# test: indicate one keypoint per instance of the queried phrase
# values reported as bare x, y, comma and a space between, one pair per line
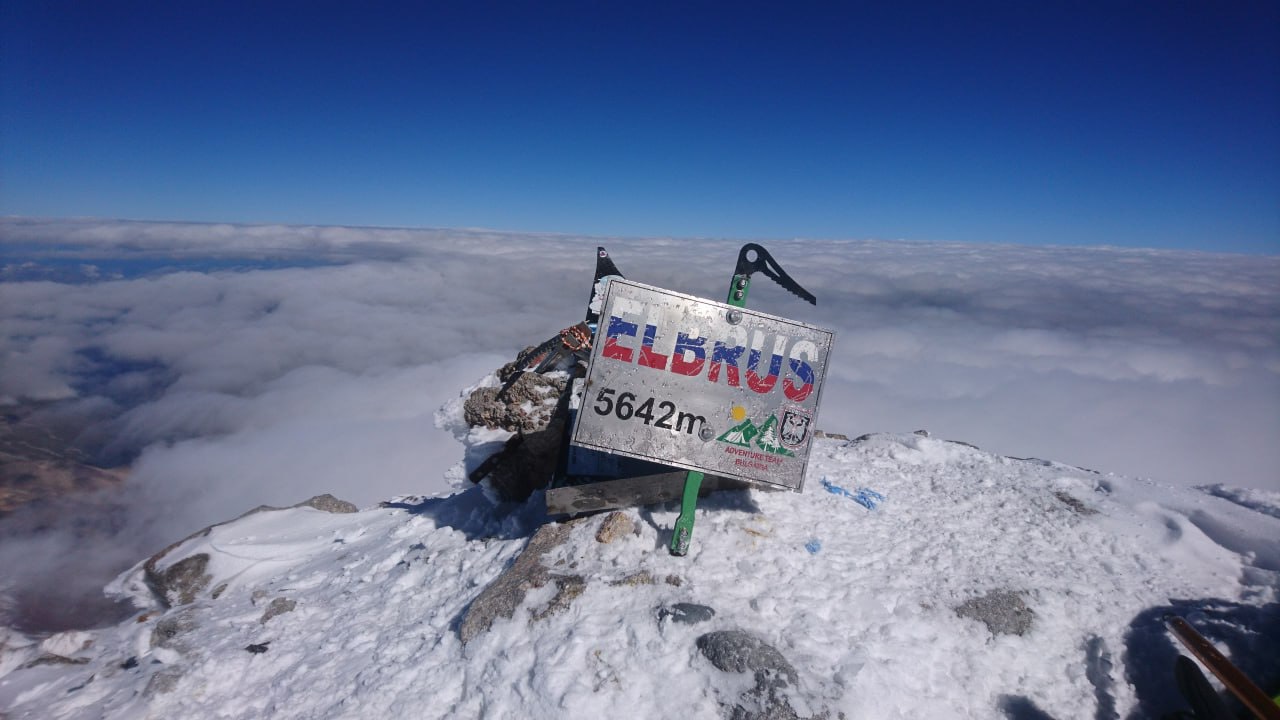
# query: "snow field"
867, 620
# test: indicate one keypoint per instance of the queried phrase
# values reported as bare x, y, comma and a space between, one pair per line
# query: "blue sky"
1140, 124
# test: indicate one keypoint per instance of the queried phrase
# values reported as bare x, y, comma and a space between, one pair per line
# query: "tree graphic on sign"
765, 437
768, 439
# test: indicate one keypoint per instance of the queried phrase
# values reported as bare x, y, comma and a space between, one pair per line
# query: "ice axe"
752, 258
1198, 690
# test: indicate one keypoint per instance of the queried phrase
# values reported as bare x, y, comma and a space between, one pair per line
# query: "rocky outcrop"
502, 596
530, 405
330, 504
526, 407
323, 503
181, 582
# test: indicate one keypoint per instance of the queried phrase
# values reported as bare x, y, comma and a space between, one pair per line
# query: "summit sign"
702, 385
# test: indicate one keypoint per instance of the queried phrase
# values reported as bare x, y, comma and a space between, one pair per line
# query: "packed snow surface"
357, 615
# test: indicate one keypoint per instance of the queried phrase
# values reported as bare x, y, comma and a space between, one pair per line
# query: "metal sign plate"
702, 385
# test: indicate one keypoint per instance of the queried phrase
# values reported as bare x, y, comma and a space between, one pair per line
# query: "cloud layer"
1143, 362
312, 359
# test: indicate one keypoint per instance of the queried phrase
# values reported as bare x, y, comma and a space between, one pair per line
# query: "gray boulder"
162, 682
1002, 611
278, 606
737, 651
169, 631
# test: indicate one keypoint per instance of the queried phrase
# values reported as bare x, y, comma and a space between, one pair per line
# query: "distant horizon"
603, 236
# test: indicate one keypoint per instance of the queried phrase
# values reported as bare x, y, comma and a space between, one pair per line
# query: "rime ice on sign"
702, 385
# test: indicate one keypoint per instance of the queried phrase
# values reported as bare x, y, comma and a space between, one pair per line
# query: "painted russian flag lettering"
648, 357
802, 370
765, 383
728, 356
685, 346
617, 327
689, 354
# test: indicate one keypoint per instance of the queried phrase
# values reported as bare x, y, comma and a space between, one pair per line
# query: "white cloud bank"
270, 385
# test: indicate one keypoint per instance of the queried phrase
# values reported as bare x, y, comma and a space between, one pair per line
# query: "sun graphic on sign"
738, 413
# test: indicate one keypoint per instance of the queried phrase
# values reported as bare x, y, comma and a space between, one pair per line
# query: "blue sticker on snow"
865, 497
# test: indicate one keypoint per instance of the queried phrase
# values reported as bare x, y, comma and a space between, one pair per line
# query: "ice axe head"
753, 257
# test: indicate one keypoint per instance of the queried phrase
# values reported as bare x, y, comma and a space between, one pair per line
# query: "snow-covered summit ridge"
358, 614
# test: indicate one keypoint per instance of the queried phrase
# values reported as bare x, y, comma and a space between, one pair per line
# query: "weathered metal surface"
702, 385
614, 493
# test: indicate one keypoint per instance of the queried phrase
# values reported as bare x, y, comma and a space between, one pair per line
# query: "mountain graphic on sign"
768, 440
740, 434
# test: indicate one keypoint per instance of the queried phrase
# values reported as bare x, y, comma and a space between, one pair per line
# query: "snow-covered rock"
180, 573
859, 603
528, 420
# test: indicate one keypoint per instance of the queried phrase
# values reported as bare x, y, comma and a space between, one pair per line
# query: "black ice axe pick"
751, 259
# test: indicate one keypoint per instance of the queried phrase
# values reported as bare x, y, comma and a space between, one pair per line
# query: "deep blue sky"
1124, 123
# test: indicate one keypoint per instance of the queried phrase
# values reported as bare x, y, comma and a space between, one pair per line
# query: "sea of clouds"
232, 366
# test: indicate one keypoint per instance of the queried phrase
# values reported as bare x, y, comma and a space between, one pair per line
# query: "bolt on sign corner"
702, 385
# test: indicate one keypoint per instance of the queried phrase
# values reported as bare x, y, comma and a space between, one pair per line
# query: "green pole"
683, 535
688, 505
